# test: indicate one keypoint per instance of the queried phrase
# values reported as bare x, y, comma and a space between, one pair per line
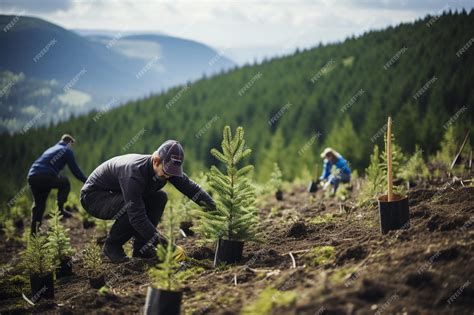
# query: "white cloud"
249, 28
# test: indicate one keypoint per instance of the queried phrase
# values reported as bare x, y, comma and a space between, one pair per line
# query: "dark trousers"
40, 186
109, 205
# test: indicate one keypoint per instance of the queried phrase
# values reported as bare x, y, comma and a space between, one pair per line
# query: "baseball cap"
171, 154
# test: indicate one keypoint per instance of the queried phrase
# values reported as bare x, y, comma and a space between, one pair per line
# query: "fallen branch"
298, 251
235, 279
292, 259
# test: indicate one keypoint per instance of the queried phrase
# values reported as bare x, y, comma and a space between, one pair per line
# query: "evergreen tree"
375, 179
415, 167
92, 257
276, 180
398, 159
235, 217
164, 275
58, 240
38, 257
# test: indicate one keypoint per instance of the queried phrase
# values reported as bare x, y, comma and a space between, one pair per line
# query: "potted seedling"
393, 208
38, 262
60, 245
276, 182
164, 295
235, 218
93, 264
313, 185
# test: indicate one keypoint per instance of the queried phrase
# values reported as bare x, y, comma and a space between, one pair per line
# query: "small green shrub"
58, 239
415, 168
92, 258
9, 229
236, 217
38, 257
276, 179
165, 275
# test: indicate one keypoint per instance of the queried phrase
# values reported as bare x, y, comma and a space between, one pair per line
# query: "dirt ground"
427, 269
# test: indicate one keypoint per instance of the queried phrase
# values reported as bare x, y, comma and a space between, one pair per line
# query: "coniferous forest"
337, 94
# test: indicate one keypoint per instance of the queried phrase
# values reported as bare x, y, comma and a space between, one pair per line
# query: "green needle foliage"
375, 179
58, 240
398, 159
276, 178
92, 257
38, 257
415, 167
165, 275
236, 217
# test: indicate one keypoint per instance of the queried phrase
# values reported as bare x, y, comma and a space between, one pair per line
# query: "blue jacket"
53, 160
341, 165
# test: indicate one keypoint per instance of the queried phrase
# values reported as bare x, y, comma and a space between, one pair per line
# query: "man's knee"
157, 198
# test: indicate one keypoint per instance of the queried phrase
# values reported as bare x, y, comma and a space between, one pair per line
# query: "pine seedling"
375, 179
92, 257
38, 258
164, 275
235, 217
415, 167
398, 159
276, 178
58, 239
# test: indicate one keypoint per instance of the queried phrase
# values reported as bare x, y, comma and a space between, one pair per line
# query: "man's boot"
115, 253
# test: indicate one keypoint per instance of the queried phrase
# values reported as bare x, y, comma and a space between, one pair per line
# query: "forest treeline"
338, 95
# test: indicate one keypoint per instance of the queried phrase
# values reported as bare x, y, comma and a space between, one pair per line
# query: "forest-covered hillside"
338, 94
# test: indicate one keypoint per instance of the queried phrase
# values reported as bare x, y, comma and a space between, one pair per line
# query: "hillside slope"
338, 94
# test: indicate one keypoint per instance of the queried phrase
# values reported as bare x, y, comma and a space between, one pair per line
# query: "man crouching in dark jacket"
127, 189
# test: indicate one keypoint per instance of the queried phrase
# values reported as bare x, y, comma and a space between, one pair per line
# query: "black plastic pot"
279, 195
162, 302
97, 282
228, 251
313, 186
88, 224
42, 286
394, 215
186, 227
65, 268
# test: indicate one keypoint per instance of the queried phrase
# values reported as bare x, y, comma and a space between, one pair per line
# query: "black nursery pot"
42, 286
228, 251
394, 215
88, 224
162, 302
65, 268
313, 186
97, 282
279, 195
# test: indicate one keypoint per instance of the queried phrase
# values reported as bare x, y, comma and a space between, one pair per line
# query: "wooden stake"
389, 160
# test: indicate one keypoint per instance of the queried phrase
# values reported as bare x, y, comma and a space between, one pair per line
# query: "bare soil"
427, 269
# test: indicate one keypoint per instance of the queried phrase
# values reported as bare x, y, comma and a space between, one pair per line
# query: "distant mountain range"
74, 73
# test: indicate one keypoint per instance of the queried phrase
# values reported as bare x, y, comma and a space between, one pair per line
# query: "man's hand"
179, 254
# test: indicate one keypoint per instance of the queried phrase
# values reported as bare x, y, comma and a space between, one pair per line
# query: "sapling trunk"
389, 160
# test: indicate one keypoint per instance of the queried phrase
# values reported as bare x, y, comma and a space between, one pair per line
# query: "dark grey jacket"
133, 176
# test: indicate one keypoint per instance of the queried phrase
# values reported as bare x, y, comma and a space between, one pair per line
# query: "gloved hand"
179, 254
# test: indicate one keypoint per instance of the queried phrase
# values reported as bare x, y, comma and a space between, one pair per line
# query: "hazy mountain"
84, 72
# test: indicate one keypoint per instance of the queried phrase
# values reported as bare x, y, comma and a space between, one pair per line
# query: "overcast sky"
244, 29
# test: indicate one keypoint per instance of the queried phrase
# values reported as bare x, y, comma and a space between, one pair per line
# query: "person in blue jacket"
343, 175
43, 176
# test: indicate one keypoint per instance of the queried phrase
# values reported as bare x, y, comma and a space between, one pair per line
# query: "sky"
245, 30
